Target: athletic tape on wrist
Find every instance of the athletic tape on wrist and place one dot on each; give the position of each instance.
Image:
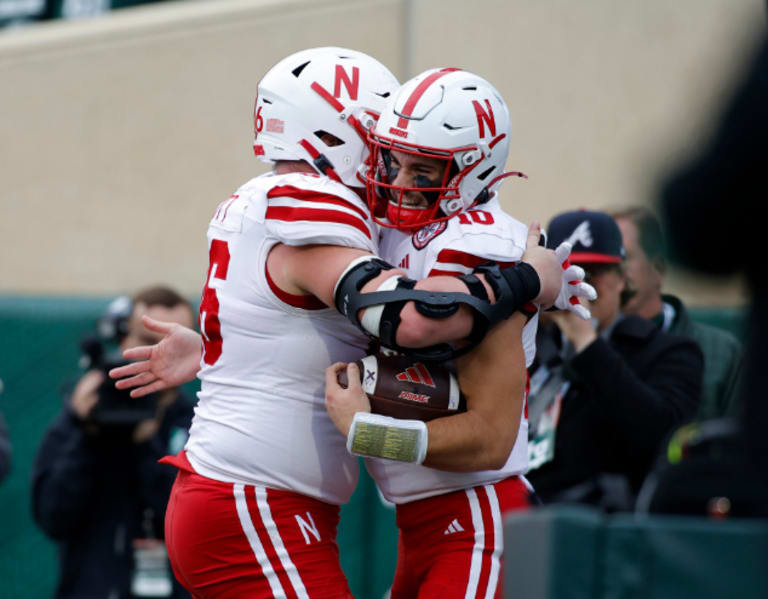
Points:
(377, 436)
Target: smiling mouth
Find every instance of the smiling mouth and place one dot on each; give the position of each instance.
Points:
(410, 201)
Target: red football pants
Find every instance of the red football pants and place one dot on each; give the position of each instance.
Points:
(230, 540)
(450, 546)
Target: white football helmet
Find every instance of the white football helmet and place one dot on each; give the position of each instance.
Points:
(445, 114)
(317, 92)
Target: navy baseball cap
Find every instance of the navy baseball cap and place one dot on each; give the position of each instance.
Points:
(595, 237)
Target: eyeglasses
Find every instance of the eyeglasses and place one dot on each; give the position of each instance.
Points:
(593, 271)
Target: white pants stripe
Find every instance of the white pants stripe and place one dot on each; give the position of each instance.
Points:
(498, 541)
(476, 573)
(277, 542)
(255, 543)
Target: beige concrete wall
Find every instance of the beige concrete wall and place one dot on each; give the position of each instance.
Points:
(119, 136)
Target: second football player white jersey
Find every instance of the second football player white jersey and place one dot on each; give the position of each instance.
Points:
(455, 247)
(261, 418)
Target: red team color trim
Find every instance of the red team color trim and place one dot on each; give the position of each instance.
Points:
(459, 258)
(305, 302)
(327, 96)
(497, 140)
(312, 151)
(287, 213)
(306, 195)
(421, 88)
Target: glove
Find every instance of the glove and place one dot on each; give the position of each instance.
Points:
(573, 286)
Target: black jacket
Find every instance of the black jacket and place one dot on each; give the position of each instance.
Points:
(94, 494)
(625, 397)
(722, 362)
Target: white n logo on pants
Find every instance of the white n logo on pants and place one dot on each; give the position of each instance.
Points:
(305, 527)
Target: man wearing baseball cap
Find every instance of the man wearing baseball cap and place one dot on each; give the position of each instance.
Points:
(606, 392)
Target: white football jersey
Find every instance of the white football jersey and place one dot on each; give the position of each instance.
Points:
(455, 247)
(261, 418)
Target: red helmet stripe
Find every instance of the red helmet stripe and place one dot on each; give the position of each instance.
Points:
(323, 93)
(420, 90)
(497, 140)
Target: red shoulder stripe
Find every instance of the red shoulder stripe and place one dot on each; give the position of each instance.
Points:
(460, 258)
(436, 272)
(306, 302)
(307, 195)
(466, 259)
(286, 213)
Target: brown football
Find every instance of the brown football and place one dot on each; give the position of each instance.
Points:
(402, 387)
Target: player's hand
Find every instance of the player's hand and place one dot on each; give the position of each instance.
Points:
(172, 361)
(547, 266)
(85, 395)
(342, 402)
(573, 286)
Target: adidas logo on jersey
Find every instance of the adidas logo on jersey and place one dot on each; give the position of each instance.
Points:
(453, 527)
(404, 263)
(417, 373)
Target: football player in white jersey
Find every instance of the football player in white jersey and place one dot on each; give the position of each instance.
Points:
(438, 153)
(255, 506)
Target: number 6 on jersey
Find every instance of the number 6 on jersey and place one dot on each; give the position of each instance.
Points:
(210, 327)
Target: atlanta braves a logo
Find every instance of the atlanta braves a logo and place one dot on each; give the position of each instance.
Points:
(417, 373)
(582, 234)
(423, 236)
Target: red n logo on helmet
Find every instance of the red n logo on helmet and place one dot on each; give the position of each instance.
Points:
(350, 84)
(484, 118)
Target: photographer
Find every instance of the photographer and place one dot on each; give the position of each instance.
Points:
(97, 487)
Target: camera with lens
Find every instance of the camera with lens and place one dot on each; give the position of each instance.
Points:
(115, 408)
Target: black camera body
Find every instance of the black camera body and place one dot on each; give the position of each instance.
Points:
(115, 408)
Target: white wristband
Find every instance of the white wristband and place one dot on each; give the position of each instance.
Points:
(377, 436)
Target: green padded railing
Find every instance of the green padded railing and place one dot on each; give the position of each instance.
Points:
(39, 351)
(568, 552)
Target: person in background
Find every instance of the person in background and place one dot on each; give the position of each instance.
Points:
(645, 266)
(97, 489)
(606, 392)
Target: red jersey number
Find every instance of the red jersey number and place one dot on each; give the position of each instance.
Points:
(210, 327)
(480, 217)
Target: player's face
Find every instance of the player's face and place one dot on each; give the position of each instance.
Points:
(643, 278)
(415, 171)
(609, 283)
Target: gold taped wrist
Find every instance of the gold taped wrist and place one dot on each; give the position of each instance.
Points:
(377, 436)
